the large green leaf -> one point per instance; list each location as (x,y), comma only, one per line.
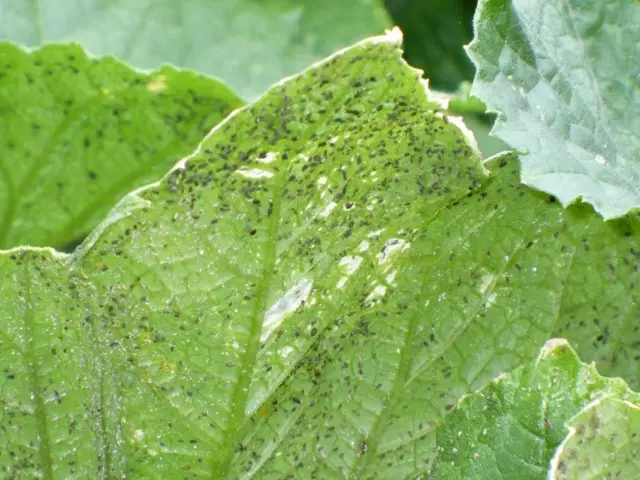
(564,77)
(512,427)
(307,295)
(76,134)
(249,43)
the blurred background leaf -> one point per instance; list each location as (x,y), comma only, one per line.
(250,44)
(434,34)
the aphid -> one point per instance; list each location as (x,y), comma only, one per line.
(362,447)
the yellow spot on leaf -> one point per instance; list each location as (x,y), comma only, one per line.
(157,84)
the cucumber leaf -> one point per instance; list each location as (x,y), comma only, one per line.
(308,294)
(250,44)
(512,427)
(564,78)
(76,134)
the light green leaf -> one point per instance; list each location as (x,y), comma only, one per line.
(150,354)
(76,134)
(308,294)
(511,428)
(251,44)
(604,442)
(563,78)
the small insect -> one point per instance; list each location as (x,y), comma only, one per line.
(362,448)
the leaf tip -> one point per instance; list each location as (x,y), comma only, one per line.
(394,36)
(554,345)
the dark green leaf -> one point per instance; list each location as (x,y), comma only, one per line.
(435,32)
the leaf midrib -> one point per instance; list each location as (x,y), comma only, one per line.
(31,357)
(237,417)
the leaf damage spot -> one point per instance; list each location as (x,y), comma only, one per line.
(157,84)
(349,265)
(390,247)
(267,157)
(328,209)
(364,246)
(486,281)
(378,292)
(293,299)
(254,173)
(391,278)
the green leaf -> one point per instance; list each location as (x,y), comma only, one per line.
(463,102)
(79,133)
(151,353)
(480,125)
(561,77)
(308,294)
(475,119)
(603,442)
(251,44)
(511,428)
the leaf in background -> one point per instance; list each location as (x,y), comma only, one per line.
(511,428)
(435,32)
(251,44)
(481,128)
(308,294)
(473,114)
(76,134)
(565,79)
(603,442)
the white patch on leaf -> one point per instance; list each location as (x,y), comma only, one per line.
(157,84)
(328,209)
(267,157)
(364,246)
(284,352)
(490,300)
(391,278)
(350,264)
(486,282)
(293,299)
(376,294)
(375,233)
(390,247)
(254,173)
(601,160)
